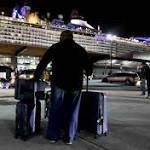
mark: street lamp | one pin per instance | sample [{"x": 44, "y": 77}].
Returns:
[
  {"x": 111, "y": 57},
  {"x": 111, "y": 37}
]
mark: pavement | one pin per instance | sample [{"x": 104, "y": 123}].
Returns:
[{"x": 128, "y": 124}]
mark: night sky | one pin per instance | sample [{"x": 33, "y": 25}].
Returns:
[{"x": 123, "y": 18}]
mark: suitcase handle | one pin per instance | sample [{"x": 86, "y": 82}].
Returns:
[
  {"x": 33, "y": 114},
  {"x": 87, "y": 83}
]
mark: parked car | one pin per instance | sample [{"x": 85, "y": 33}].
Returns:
[{"x": 127, "y": 78}]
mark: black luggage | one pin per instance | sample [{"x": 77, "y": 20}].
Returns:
[
  {"x": 24, "y": 126},
  {"x": 24, "y": 89},
  {"x": 38, "y": 118},
  {"x": 93, "y": 112},
  {"x": 28, "y": 110}
]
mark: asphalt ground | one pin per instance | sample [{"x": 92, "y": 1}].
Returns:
[{"x": 128, "y": 124}]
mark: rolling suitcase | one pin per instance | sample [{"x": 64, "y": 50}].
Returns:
[
  {"x": 93, "y": 112},
  {"x": 38, "y": 118},
  {"x": 23, "y": 128},
  {"x": 23, "y": 120},
  {"x": 28, "y": 113}
]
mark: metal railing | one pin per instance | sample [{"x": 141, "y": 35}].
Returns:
[{"x": 19, "y": 32}]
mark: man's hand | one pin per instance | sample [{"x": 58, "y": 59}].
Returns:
[{"x": 35, "y": 78}]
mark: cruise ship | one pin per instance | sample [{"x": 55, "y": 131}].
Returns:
[{"x": 24, "y": 41}]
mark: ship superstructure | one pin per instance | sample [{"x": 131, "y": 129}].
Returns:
[{"x": 17, "y": 37}]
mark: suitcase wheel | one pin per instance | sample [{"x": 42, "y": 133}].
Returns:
[
  {"x": 24, "y": 138},
  {"x": 16, "y": 136},
  {"x": 105, "y": 133},
  {"x": 96, "y": 136}
]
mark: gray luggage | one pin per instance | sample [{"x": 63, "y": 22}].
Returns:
[{"x": 93, "y": 112}]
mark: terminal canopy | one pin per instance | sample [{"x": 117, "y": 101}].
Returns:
[
  {"x": 16, "y": 50},
  {"x": 33, "y": 51}
]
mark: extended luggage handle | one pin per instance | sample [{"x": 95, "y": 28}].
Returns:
[
  {"x": 87, "y": 83},
  {"x": 34, "y": 109}
]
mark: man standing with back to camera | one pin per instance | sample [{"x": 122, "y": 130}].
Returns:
[
  {"x": 69, "y": 60},
  {"x": 145, "y": 71}
]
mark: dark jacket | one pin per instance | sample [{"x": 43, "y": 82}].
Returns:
[
  {"x": 68, "y": 62},
  {"x": 145, "y": 72}
]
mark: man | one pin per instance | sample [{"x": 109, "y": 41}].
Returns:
[
  {"x": 145, "y": 71},
  {"x": 143, "y": 78},
  {"x": 69, "y": 60}
]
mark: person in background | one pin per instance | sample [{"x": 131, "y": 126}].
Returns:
[
  {"x": 142, "y": 78},
  {"x": 69, "y": 61},
  {"x": 145, "y": 74}
]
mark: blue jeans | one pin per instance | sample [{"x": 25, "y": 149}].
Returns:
[
  {"x": 64, "y": 105},
  {"x": 143, "y": 86}
]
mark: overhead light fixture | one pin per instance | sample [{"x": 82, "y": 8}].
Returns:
[{"x": 111, "y": 37}]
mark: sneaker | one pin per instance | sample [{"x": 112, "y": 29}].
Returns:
[
  {"x": 69, "y": 143},
  {"x": 147, "y": 96},
  {"x": 142, "y": 94},
  {"x": 51, "y": 140}
]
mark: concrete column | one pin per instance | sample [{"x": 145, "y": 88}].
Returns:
[{"x": 14, "y": 62}]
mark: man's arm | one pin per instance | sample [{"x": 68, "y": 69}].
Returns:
[{"x": 43, "y": 63}]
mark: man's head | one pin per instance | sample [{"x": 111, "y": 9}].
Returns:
[
  {"x": 66, "y": 35},
  {"x": 143, "y": 63}
]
